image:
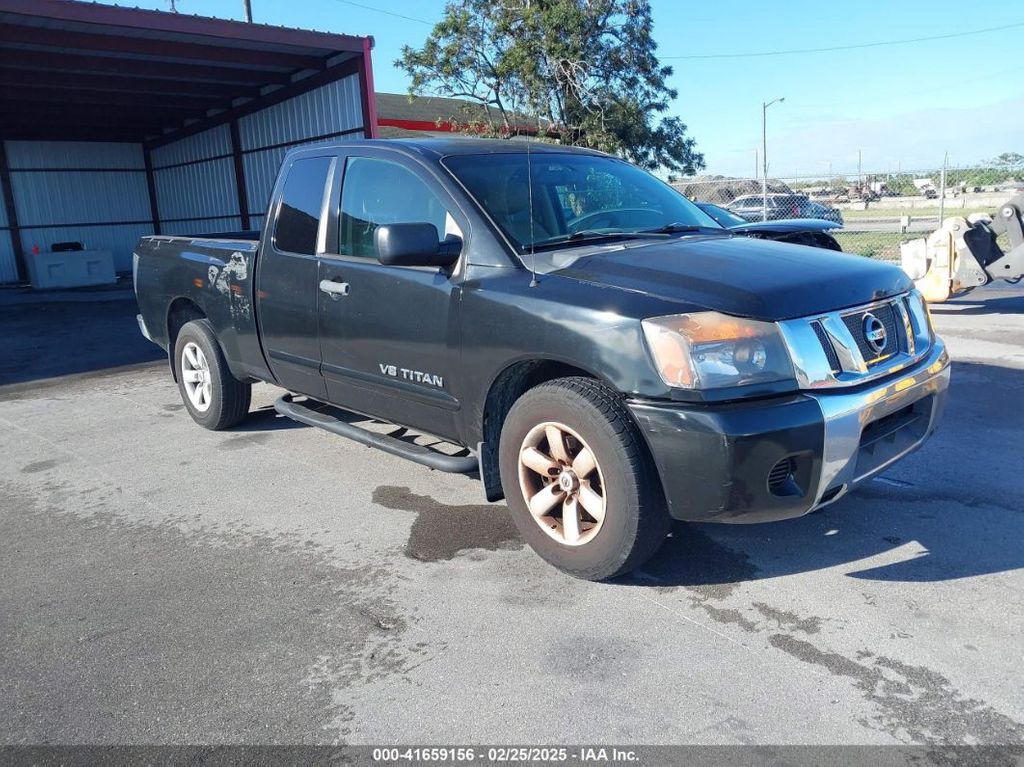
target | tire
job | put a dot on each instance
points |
(633, 520)
(224, 400)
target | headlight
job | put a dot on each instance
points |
(708, 350)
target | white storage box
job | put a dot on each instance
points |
(71, 269)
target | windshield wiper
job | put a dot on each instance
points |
(678, 227)
(597, 234)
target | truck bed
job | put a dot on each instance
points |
(211, 275)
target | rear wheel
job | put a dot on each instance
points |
(578, 480)
(213, 397)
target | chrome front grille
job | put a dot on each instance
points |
(885, 314)
(852, 346)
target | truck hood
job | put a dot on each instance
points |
(741, 276)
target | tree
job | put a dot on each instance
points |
(585, 71)
(1009, 160)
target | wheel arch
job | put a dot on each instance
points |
(180, 311)
(505, 388)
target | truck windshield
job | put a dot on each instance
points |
(576, 197)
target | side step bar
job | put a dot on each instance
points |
(453, 464)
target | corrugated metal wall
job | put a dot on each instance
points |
(97, 193)
(93, 193)
(332, 112)
(195, 184)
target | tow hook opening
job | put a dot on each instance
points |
(789, 476)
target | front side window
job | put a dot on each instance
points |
(298, 219)
(574, 197)
(375, 192)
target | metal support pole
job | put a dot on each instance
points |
(764, 159)
(942, 188)
(12, 216)
(154, 206)
(239, 167)
(764, 156)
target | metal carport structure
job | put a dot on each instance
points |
(118, 122)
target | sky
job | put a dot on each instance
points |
(901, 107)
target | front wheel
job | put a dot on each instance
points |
(214, 398)
(579, 481)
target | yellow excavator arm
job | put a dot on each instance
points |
(964, 254)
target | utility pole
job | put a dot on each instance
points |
(248, 10)
(757, 164)
(942, 188)
(764, 155)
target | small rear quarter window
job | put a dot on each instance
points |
(298, 219)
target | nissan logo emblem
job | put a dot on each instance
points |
(874, 332)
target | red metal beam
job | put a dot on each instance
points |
(417, 125)
(125, 84)
(129, 19)
(11, 58)
(189, 51)
(28, 92)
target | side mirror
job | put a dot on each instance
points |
(415, 245)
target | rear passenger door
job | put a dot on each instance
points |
(287, 294)
(389, 337)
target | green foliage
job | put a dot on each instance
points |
(585, 71)
(1009, 160)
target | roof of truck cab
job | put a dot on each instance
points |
(447, 147)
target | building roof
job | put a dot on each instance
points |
(80, 70)
(436, 114)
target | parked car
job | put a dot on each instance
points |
(799, 231)
(750, 207)
(594, 346)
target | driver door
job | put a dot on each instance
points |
(390, 338)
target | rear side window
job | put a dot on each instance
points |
(298, 221)
(376, 192)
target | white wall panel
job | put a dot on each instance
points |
(62, 195)
(330, 108)
(210, 143)
(74, 154)
(227, 224)
(82, 196)
(198, 190)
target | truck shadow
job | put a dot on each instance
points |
(952, 510)
(49, 338)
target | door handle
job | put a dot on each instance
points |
(334, 289)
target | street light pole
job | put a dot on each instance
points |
(764, 156)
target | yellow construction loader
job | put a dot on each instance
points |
(963, 253)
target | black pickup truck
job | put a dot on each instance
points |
(598, 349)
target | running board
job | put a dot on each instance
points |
(453, 464)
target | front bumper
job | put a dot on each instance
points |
(774, 459)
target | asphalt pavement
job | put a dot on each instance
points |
(160, 583)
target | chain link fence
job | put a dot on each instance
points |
(874, 212)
